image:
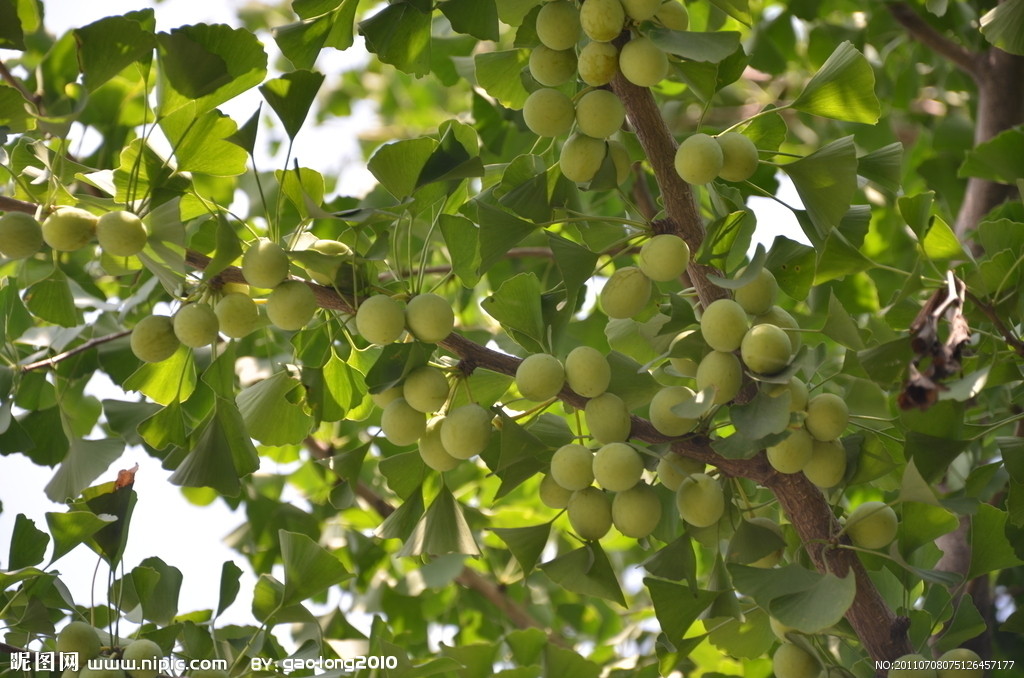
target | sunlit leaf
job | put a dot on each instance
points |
(843, 88)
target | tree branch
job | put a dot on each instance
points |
(923, 32)
(81, 348)
(13, 205)
(677, 195)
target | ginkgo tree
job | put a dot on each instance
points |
(537, 385)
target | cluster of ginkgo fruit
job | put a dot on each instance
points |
(142, 654)
(577, 41)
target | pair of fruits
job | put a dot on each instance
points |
(66, 229)
(83, 639)
(701, 158)
(381, 319)
(541, 376)
(662, 258)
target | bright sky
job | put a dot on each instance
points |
(164, 523)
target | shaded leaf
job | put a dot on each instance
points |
(291, 96)
(826, 181)
(586, 571)
(399, 35)
(309, 569)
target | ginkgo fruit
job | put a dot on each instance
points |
(196, 325)
(432, 450)
(827, 416)
(827, 464)
(700, 500)
(552, 494)
(722, 371)
(766, 349)
(739, 156)
(781, 318)
(145, 654)
(581, 157)
(558, 25)
(552, 67)
(590, 513)
(540, 377)
(153, 339)
(237, 315)
(598, 63)
(673, 470)
(599, 113)
(663, 418)
(602, 19)
(872, 525)
(641, 10)
(792, 453)
(69, 228)
(401, 424)
(382, 398)
(264, 264)
(607, 418)
(797, 394)
(673, 15)
(617, 466)
(636, 511)
(21, 235)
(698, 159)
(548, 112)
(664, 257)
(625, 293)
(960, 662)
(587, 371)
(338, 252)
(380, 319)
(429, 317)
(572, 466)
(643, 63)
(81, 638)
(466, 431)
(291, 305)
(121, 233)
(723, 325)
(792, 661)
(426, 389)
(759, 295)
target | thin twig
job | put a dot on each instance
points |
(81, 348)
(990, 313)
(922, 31)
(8, 77)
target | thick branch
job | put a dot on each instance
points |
(1000, 80)
(660, 148)
(14, 205)
(923, 32)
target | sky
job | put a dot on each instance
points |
(164, 523)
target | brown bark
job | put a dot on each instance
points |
(999, 77)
